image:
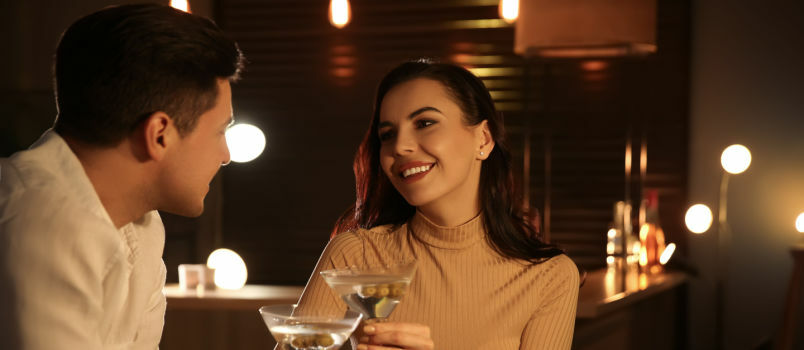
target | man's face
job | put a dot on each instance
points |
(191, 163)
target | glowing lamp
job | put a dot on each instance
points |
(509, 10)
(698, 218)
(245, 142)
(230, 269)
(340, 13)
(181, 5)
(800, 223)
(667, 253)
(735, 159)
(585, 28)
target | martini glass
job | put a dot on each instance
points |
(373, 291)
(308, 332)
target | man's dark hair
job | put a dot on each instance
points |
(117, 66)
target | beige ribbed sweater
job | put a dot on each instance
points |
(470, 296)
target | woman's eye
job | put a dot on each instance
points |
(385, 135)
(423, 123)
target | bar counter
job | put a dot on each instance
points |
(616, 309)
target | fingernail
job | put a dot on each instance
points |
(364, 339)
(362, 347)
(369, 329)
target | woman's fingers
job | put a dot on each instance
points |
(375, 347)
(412, 328)
(396, 340)
(393, 335)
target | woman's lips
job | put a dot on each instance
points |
(416, 173)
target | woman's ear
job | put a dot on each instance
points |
(158, 134)
(484, 140)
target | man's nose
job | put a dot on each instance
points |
(227, 158)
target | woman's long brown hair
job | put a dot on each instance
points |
(379, 203)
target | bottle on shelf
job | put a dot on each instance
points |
(651, 235)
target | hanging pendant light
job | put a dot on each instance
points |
(183, 5)
(340, 13)
(509, 10)
(585, 28)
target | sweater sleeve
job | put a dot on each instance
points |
(344, 250)
(551, 325)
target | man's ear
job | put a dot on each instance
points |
(484, 140)
(159, 133)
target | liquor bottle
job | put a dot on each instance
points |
(621, 244)
(651, 235)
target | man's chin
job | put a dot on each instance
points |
(190, 212)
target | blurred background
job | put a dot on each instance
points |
(587, 130)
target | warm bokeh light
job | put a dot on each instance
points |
(612, 233)
(245, 142)
(509, 10)
(610, 248)
(643, 232)
(610, 260)
(800, 223)
(183, 5)
(735, 159)
(698, 218)
(667, 253)
(594, 65)
(643, 256)
(340, 13)
(643, 281)
(230, 269)
(343, 72)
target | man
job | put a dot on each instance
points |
(144, 100)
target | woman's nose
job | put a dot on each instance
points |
(405, 143)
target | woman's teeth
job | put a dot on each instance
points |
(416, 170)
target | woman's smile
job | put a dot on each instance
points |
(413, 171)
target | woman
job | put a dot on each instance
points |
(435, 185)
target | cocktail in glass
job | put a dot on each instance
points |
(316, 331)
(373, 291)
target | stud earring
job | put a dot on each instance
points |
(481, 153)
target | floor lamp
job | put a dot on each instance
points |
(735, 159)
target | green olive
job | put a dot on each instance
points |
(324, 340)
(299, 342)
(369, 290)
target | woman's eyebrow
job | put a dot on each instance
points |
(412, 115)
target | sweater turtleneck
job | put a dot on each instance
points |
(457, 237)
(470, 296)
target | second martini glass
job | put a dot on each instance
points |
(319, 331)
(373, 291)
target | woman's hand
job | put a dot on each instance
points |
(395, 335)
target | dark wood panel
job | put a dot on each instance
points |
(310, 87)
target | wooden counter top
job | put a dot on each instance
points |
(604, 290)
(609, 289)
(250, 297)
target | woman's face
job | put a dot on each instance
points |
(427, 151)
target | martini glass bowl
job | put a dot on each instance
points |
(373, 291)
(293, 330)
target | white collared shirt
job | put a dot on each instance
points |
(69, 279)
